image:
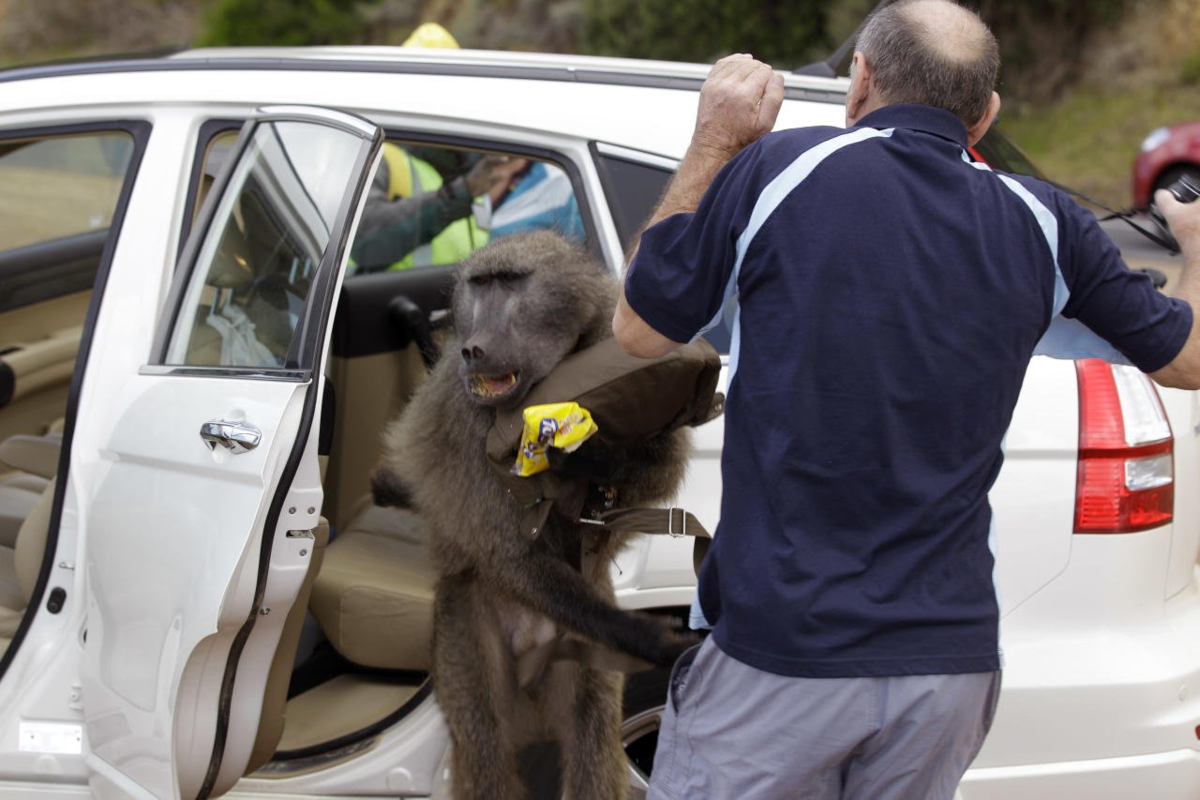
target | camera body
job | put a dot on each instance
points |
(1185, 190)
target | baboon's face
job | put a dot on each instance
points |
(518, 313)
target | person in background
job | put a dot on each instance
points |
(538, 196)
(415, 217)
(419, 207)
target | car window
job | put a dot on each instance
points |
(419, 210)
(215, 156)
(633, 184)
(260, 253)
(998, 151)
(58, 196)
(59, 186)
(432, 205)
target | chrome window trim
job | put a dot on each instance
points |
(637, 156)
(260, 373)
(351, 123)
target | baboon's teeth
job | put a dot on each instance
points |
(493, 386)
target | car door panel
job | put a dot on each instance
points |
(208, 477)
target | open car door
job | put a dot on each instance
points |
(200, 533)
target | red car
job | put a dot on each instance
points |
(1167, 153)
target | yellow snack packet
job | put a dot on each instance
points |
(561, 425)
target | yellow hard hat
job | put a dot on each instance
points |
(430, 34)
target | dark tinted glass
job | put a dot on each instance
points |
(1000, 153)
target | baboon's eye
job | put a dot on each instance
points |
(508, 279)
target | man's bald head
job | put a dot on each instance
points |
(932, 52)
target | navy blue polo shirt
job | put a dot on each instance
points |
(887, 296)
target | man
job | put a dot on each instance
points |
(889, 294)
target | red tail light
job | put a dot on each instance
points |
(1126, 478)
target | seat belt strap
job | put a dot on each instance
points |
(673, 521)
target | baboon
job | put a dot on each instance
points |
(520, 305)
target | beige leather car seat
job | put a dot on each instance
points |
(25, 564)
(374, 596)
(34, 460)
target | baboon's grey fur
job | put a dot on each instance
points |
(520, 305)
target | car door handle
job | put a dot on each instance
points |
(236, 436)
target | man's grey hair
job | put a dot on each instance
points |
(945, 57)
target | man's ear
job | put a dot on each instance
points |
(976, 131)
(860, 89)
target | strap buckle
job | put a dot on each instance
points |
(671, 522)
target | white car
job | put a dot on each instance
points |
(191, 392)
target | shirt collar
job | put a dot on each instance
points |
(928, 119)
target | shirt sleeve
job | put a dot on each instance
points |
(684, 268)
(1117, 304)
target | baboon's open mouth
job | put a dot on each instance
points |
(493, 386)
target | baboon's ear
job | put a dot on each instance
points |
(389, 490)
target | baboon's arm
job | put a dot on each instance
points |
(553, 588)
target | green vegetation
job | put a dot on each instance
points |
(1089, 140)
(281, 22)
(1084, 80)
(786, 35)
(1191, 69)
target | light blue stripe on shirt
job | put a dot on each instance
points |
(1065, 338)
(772, 196)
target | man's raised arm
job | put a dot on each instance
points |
(739, 102)
(1184, 218)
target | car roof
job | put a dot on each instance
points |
(646, 105)
(478, 63)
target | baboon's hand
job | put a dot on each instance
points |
(659, 642)
(597, 463)
(675, 645)
(389, 489)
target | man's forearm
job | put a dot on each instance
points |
(696, 171)
(1184, 371)
(739, 102)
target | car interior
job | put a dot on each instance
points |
(57, 198)
(362, 649)
(354, 655)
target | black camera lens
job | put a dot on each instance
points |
(1185, 189)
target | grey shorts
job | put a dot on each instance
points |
(733, 731)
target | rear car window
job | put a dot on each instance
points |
(633, 189)
(59, 192)
(58, 187)
(633, 186)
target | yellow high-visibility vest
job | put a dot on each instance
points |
(408, 177)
